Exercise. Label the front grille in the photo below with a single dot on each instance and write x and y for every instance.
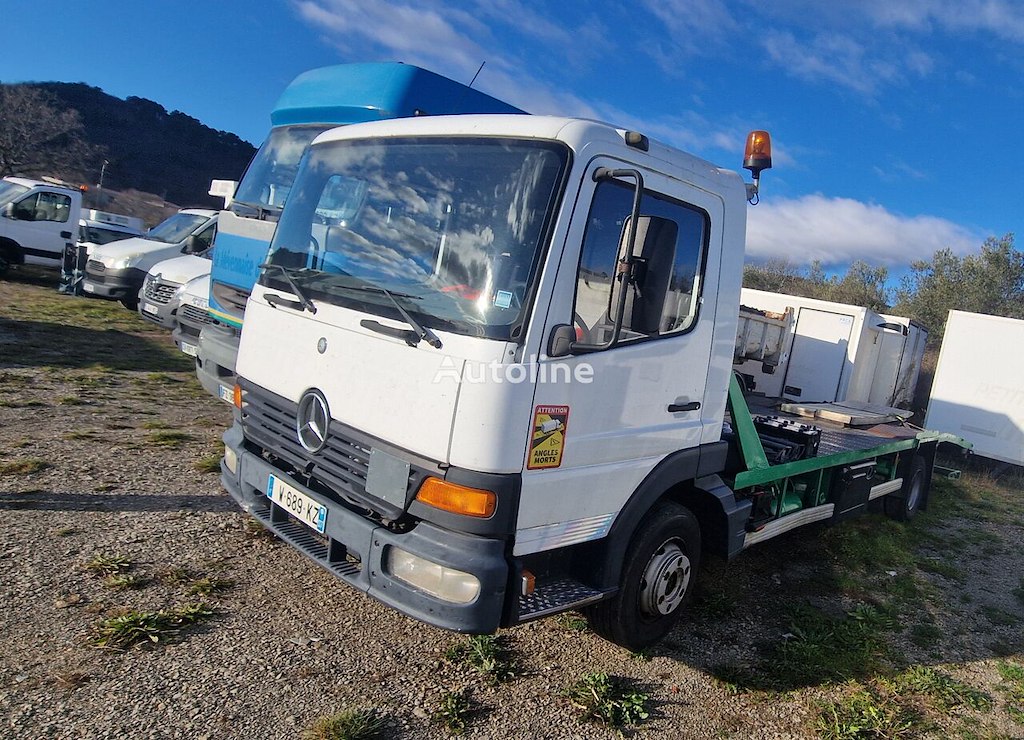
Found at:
(193, 315)
(159, 291)
(230, 299)
(95, 266)
(338, 470)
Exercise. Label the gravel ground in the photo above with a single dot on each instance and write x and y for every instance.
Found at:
(104, 439)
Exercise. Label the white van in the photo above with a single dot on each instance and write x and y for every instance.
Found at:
(117, 271)
(158, 298)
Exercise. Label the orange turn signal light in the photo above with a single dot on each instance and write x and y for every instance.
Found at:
(457, 499)
(236, 396)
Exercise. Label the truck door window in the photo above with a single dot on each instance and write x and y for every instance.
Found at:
(602, 240)
(44, 207)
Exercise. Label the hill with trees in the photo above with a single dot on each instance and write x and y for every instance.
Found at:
(69, 130)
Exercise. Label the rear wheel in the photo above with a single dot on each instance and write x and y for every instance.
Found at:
(904, 505)
(658, 578)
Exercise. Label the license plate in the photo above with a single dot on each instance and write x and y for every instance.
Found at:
(227, 395)
(189, 349)
(88, 287)
(150, 308)
(296, 503)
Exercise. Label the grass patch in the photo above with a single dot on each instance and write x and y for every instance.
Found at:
(209, 585)
(156, 424)
(818, 648)
(209, 464)
(1013, 688)
(348, 724)
(609, 700)
(945, 691)
(174, 574)
(132, 627)
(168, 438)
(941, 567)
(925, 634)
(125, 582)
(488, 654)
(24, 466)
(15, 404)
(864, 714)
(1000, 617)
(572, 621)
(72, 401)
(103, 564)
(1019, 591)
(454, 711)
(161, 378)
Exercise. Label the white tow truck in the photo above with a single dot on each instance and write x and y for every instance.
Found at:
(38, 220)
(486, 375)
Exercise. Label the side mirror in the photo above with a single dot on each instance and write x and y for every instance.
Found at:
(562, 338)
(8, 211)
(191, 245)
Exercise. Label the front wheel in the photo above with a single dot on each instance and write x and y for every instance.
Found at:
(658, 578)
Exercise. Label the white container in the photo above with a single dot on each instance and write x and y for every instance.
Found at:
(978, 390)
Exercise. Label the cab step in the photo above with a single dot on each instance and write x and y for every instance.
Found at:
(557, 596)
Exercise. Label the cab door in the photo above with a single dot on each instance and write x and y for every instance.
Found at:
(40, 225)
(602, 420)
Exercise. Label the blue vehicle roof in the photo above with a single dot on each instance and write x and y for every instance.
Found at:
(356, 93)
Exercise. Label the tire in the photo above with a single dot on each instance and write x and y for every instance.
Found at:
(658, 578)
(132, 304)
(904, 505)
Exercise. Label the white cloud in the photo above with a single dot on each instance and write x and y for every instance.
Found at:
(840, 230)
(1003, 19)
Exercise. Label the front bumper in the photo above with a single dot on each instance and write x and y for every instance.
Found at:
(191, 320)
(215, 363)
(355, 548)
(164, 314)
(114, 284)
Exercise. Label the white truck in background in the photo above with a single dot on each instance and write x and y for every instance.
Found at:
(38, 220)
(978, 387)
(486, 376)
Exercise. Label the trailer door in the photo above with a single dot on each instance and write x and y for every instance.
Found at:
(818, 356)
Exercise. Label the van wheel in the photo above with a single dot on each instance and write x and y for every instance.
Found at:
(132, 304)
(658, 578)
(904, 505)
(6, 260)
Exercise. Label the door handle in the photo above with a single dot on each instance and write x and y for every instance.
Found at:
(691, 406)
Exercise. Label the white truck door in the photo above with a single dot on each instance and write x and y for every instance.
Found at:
(819, 355)
(601, 420)
(41, 224)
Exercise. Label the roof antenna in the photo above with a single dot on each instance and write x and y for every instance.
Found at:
(477, 73)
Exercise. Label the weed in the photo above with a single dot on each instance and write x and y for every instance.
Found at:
(925, 634)
(348, 724)
(1013, 687)
(821, 648)
(168, 438)
(108, 564)
(488, 654)
(454, 711)
(174, 574)
(24, 466)
(156, 424)
(125, 582)
(161, 378)
(864, 715)
(207, 586)
(72, 401)
(65, 532)
(999, 617)
(70, 679)
(943, 689)
(133, 626)
(209, 464)
(253, 529)
(641, 656)
(941, 567)
(611, 700)
(715, 605)
(572, 621)
(31, 403)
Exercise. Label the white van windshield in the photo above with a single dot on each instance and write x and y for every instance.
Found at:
(453, 227)
(176, 228)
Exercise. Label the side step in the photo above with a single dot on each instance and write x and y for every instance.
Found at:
(786, 523)
(557, 596)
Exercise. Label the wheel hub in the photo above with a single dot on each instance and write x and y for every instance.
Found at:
(665, 580)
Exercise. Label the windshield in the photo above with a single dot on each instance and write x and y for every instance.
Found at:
(453, 227)
(100, 235)
(9, 191)
(270, 175)
(176, 228)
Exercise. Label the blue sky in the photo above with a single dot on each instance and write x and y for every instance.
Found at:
(898, 124)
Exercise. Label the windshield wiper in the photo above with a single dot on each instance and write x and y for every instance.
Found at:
(274, 300)
(419, 331)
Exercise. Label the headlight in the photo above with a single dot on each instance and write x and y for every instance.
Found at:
(437, 580)
(125, 262)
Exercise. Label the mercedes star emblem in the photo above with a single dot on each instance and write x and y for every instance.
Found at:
(321, 346)
(312, 420)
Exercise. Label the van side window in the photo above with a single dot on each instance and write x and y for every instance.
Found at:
(44, 207)
(602, 242)
(205, 238)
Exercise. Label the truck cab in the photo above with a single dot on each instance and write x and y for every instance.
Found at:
(315, 101)
(464, 401)
(37, 221)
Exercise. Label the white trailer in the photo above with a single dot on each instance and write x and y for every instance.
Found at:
(837, 352)
(978, 391)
